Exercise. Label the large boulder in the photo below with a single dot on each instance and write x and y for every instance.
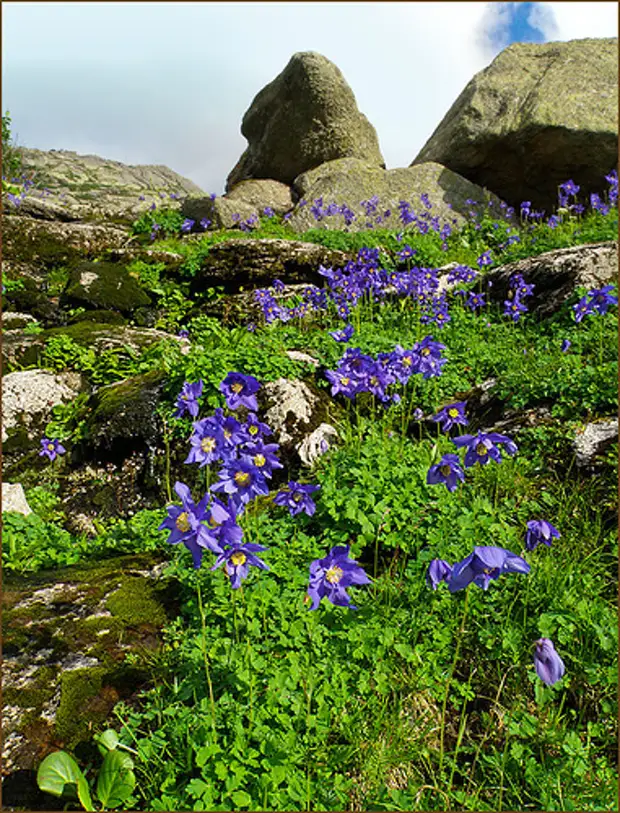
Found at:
(262, 193)
(540, 114)
(221, 212)
(104, 285)
(350, 181)
(307, 115)
(247, 263)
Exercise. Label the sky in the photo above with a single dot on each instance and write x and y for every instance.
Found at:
(169, 82)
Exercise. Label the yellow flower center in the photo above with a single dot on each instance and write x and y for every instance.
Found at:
(259, 460)
(238, 558)
(236, 388)
(242, 478)
(253, 430)
(182, 522)
(374, 380)
(453, 413)
(334, 574)
(407, 361)
(227, 434)
(212, 523)
(481, 450)
(426, 351)
(50, 446)
(344, 381)
(297, 496)
(445, 470)
(207, 444)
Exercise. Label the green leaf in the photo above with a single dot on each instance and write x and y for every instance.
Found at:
(59, 775)
(116, 780)
(241, 798)
(106, 741)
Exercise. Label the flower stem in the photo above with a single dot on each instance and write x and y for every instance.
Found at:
(205, 657)
(445, 699)
(247, 655)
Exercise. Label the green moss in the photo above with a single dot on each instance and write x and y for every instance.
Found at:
(78, 688)
(104, 317)
(134, 603)
(27, 243)
(125, 394)
(112, 287)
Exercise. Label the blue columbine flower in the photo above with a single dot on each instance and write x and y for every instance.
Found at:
(438, 571)
(296, 497)
(207, 442)
(475, 301)
(565, 345)
(262, 456)
(582, 308)
(240, 390)
(447, 471)
(185, 524)
(330, 577)
(549, 666)
(242, 481)
(539, 530)
(187, 400)
(51, 448)
(187, 225)
(484, 565)
(481, 447)
(254, 429)
(205, 223)
(514, 308)
(451, 415)
(601, 298)
(238, 559)
(342, 335)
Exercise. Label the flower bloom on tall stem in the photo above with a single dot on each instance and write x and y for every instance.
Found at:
(185, 524)
(51, 448)
(549, 666)
(451, 415)
(330, 577)
(342, 335)
(447, 471)
(238, 559)
(207, 442)
(240, 390)
(582, 308)
(254, 429)
(601, 298)
(296, 497)
(438, 571)
(482, 447)
(539, 530)
(262, 456)
(484, 565)
(514, 308)
(187, 400)
(241, 481)
(565, 345)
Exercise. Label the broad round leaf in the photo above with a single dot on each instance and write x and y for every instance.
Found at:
(116, 780)
(59, 775)
(106, 741)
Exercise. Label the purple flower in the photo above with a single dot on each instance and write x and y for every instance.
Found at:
(183, 333)
(205, 223)
(296, 497)
(187, 401)
(514, 308)
(481, 447)
(565, 345)
(417, 414)
(330, 577)
(262, 456)
(438, 571)
(268, 211)
(485, 564)
(406, 252)
(242, 481)
(208, 442)
(549, 666)
(254, 429)
(451, 415)
(185, 524)
(238, 559)
(569, 187)
(484, 259)
(429, 361)
(342, 335)
(447, 471)
(51, 448)
(601, 298)
(582, 308)
(539, 530)
(240, 390)
(475, 301)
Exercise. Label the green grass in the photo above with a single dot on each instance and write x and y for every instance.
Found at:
(259, 704)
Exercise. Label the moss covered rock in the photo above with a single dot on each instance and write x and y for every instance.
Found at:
(104, 285)
(66, 636)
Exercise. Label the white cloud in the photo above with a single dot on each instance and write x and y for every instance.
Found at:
(575, 21)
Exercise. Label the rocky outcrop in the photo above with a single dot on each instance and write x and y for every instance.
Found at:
(350, 181)
(14, 499)
(539, 115)
(221, 213)
(306, 116)
(251, 263)
(593, 440)
(88, 186)
(556, 274)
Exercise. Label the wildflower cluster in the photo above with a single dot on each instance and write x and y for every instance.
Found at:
(358, 372)
(598, 300)
(515, 305)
